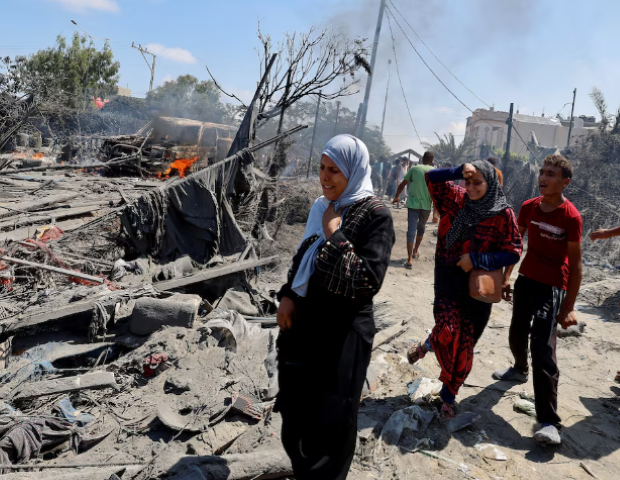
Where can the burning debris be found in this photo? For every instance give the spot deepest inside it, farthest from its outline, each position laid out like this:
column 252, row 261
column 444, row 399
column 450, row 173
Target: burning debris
column 171, row 146
column 116, row 292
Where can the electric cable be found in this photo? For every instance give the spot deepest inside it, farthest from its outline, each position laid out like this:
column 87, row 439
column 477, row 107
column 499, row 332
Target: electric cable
column 400, row 80
column 448, row 89
column 437, row 58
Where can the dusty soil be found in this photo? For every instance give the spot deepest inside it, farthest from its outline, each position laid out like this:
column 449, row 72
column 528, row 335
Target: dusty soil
column 588, row 397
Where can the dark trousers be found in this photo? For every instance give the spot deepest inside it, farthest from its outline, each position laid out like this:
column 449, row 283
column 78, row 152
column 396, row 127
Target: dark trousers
column 321, row 382
column 535, row 309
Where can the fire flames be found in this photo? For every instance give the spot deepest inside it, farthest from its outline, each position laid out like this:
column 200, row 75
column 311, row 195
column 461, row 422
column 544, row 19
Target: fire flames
column 181, row 165
column 28, row 155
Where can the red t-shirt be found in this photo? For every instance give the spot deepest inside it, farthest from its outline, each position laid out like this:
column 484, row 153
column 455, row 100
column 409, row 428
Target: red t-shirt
column 548, row 233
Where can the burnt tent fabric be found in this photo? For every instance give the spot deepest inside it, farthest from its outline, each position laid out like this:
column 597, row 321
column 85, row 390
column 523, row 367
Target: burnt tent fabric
column 191, row 216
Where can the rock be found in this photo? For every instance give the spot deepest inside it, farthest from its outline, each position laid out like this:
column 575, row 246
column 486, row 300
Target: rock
column 150, row 314
column 461, row 421
column 572, row 331
column 491, row 452
column 525, row 406
column 178, row 385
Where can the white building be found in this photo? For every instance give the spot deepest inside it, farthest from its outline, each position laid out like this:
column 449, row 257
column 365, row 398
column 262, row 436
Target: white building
column 489, row 128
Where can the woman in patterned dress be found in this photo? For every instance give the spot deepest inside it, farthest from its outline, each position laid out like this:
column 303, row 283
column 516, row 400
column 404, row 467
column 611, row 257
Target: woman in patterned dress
column 477, row 229
column 326, row 317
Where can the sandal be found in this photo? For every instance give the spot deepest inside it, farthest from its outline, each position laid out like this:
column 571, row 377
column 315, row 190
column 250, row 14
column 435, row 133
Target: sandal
column 416, row 256
column 416, row 353
column 447, row 411
column 407, row 266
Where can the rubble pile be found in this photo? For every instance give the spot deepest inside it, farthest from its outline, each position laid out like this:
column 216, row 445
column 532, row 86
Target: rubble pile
column 136, row 339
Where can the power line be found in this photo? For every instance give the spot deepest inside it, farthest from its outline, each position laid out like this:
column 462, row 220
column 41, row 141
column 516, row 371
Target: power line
column 399, row 79
column 437, row 58
column 450, row 91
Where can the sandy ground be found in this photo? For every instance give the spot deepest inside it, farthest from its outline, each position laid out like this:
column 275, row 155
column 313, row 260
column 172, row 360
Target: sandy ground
column 588, row 397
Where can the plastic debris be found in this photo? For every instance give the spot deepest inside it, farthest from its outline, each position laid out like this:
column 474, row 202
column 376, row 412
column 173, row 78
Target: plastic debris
column 525, row 406
column 420, row 388
column 411, row 418
column 155, row 364
column 491, row 452
column 461, row 421
column 72, row 415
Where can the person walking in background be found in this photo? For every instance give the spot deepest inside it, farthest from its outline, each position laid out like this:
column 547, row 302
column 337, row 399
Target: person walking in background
column 375, row 176
column 477, row 229
column 385, row 174
column 546, row 290
column 419, row 204
column 398, row 175
column 338, row 269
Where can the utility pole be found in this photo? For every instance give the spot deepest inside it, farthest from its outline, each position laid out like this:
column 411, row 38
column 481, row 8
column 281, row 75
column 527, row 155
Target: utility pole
column 373, row 58
column 572, row 112
column 150, row 65
column 386, row 97
column 316, row 120
column 357, row 120
column 337, row 114
column 509, row 123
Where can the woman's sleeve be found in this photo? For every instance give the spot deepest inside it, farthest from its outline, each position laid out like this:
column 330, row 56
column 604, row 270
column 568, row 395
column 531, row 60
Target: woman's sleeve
column 359, row 272
column 444, row 192
column 287, row 290
column 510, row 245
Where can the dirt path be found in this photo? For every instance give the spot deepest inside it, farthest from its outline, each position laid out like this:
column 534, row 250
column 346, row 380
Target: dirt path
column 588, row 400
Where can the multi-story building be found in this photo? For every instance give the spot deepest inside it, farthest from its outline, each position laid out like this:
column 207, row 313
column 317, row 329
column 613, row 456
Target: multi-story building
column 490, row 130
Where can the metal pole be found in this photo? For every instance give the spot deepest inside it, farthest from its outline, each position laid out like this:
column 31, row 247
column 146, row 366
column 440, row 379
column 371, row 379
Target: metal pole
column 152, row 72
column 357, row 120
column 509, row 123
column 572, row 111
column 337, row 114
column 316, row 120
column 386, row 97
column 373, row 58
column 150, row 65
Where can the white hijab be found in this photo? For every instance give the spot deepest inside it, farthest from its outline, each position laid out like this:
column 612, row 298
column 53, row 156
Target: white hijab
column 351, row 157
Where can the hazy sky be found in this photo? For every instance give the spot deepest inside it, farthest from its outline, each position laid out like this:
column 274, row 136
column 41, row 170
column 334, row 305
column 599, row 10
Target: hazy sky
column 530, row 52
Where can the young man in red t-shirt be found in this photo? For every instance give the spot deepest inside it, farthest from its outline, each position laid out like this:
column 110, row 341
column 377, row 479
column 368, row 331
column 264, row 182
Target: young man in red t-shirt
column 546, row 290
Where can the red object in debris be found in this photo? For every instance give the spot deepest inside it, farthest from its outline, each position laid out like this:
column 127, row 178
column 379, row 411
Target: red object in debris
column 100, row 103
column 53, row 233
column 154, row 363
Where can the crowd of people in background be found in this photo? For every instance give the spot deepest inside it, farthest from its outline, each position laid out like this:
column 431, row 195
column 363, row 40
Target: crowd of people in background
column 343, row 259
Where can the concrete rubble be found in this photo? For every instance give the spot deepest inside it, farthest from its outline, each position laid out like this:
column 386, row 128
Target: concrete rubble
column 123, row 305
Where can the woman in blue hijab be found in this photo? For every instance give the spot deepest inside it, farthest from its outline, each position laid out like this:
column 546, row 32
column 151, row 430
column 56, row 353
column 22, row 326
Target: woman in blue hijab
column 326, row 317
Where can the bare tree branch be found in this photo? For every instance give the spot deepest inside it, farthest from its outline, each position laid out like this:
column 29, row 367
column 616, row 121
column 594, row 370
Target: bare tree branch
column 222, row 90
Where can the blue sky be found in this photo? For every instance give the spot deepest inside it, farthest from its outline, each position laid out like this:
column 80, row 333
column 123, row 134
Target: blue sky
column 530, row 52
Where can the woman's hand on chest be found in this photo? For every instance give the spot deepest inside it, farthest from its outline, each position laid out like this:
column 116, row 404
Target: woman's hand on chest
column 331, row 221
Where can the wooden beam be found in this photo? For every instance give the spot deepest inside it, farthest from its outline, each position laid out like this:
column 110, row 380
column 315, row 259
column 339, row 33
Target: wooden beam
column 69, row 384
column 43, row 266
column 33, row 205
column 26, row 322
column 211, row 273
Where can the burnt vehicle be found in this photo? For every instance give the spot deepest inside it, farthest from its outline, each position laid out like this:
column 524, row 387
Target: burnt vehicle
column 171, row 146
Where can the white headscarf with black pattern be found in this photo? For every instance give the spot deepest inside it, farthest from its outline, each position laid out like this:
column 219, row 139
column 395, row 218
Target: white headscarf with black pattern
column 475, row 211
